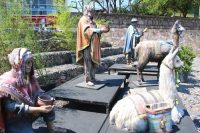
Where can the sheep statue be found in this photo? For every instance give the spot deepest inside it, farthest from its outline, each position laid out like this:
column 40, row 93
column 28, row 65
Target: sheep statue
column 128, row 113
column 156, row 50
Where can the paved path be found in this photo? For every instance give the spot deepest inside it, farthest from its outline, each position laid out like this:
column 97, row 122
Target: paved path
column 190, row 94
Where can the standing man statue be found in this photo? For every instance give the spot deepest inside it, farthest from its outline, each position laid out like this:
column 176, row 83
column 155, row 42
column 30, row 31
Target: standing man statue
column 88, row 52
column 132, row 38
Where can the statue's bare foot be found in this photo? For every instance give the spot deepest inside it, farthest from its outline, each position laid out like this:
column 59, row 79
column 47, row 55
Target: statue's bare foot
column 90, row 83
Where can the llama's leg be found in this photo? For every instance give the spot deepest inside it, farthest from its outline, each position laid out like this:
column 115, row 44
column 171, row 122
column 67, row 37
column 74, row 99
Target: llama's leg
column 138, row 75
column 141, row 70
column 142, row 77
column 159, row 63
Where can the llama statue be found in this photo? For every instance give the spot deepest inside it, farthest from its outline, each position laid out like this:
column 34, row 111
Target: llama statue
column 128, row 112
column 156, row 50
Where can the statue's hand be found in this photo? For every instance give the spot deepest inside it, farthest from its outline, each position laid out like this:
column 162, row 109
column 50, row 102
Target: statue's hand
column 105, row 29
column 142, row 33
column 46, row 108
column 145, row 30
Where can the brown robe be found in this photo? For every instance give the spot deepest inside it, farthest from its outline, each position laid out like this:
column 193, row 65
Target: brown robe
column 85, row 38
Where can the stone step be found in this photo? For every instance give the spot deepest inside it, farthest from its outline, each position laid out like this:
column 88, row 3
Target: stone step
column 58, row 74
column 108, row 51
column 108, row 61
column 62, row 73
column 51, row 59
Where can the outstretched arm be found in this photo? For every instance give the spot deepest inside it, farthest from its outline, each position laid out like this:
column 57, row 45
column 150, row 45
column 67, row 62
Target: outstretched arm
column 142, row 33
column 21, row 108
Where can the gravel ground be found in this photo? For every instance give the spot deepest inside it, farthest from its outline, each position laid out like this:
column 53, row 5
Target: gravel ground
column 190, row 93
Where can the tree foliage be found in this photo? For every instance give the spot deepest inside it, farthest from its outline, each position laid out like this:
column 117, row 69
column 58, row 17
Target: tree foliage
column 104, row 5
column 163, row 7
column 15, row 31
column 67, row 23
column 187, row 55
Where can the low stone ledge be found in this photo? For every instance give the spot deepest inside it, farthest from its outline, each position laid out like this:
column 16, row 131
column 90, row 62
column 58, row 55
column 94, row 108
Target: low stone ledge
column 111, row 51
column 57, row 58
column 59, row 74
column 62, row 73
column 110, row 60
column 51, row 59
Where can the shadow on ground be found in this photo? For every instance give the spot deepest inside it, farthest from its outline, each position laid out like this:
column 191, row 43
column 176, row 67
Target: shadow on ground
column 44, row 130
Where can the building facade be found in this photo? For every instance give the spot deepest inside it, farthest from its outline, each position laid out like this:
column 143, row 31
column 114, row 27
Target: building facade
column 41, row 7
column 42, row 13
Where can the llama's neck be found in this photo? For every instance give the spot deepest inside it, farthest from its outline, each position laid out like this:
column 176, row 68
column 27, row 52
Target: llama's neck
column 167, row 85
column 175, row 39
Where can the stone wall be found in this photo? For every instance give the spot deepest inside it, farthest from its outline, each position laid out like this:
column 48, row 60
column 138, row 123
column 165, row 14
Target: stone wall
column 158, row 28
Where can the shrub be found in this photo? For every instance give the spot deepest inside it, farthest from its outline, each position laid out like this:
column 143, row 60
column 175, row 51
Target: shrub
column 15, row 31
column 67, row 23
column 186, row 54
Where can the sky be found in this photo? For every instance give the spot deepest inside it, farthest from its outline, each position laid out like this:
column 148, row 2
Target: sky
column 77, row 2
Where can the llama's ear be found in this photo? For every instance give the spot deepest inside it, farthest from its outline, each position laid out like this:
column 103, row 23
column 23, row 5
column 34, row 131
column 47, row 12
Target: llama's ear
column 175, row 52
column 171, row 50
column 177, row 22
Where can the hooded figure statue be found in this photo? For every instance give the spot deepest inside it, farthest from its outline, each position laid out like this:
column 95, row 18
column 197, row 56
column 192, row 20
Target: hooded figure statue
column 19, row 91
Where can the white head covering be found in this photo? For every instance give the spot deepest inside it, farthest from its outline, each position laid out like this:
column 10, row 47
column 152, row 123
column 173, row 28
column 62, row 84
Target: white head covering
column 133, row 20
column 17, row 59
column 87, row 9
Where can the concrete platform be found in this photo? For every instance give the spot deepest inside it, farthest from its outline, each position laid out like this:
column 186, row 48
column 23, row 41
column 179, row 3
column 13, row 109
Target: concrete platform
column 150, row 81
column 75, row 121
column 186, row 125
column 103, row 96
column 125, row 67
column 96, row 86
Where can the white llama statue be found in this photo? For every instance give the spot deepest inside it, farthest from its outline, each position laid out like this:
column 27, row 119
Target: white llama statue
column 127, row 114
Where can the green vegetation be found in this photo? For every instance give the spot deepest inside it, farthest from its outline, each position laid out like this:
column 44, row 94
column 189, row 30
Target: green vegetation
column 144, row 7
column 65, row 24
column 15, row 31
column 101, row 21
column 164, row 7
column 186, row 54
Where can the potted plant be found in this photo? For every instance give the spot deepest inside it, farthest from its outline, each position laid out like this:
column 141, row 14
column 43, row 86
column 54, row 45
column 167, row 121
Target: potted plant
column 186, row 54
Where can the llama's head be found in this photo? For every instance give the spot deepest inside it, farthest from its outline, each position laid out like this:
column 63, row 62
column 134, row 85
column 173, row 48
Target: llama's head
column 177, row 28
column 172, row 60
column 167, row 85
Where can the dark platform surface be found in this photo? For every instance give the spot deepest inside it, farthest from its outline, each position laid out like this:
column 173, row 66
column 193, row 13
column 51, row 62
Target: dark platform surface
column 186, row 125
column 125, row 67
column 75, row 121
column 96, row 86
column 103, row 96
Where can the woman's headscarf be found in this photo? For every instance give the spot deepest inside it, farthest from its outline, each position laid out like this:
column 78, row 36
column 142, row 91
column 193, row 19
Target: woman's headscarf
column 17, row 59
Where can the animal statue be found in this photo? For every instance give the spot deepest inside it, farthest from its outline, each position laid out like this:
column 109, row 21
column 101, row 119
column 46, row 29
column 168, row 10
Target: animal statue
column 156, row 50
column 128, row 113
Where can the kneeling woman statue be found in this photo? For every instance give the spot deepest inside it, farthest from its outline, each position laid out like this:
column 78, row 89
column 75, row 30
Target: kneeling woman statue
column 19, row 91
